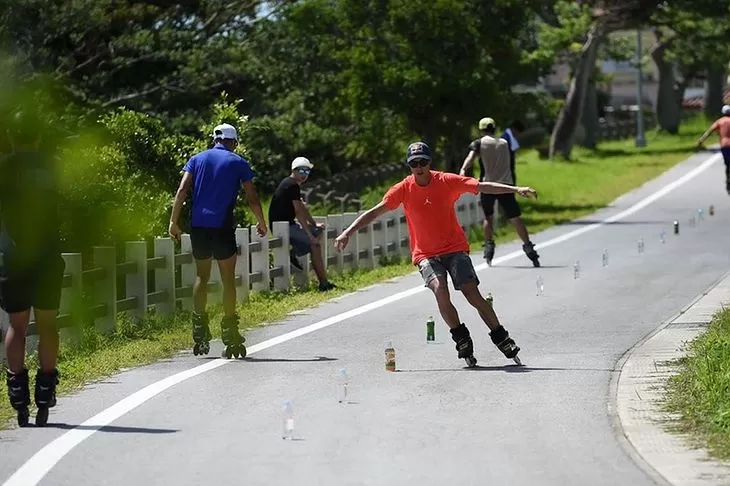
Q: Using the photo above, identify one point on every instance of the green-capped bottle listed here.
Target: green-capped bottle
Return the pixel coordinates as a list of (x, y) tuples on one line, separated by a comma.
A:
[(490, 299), (430, 331)]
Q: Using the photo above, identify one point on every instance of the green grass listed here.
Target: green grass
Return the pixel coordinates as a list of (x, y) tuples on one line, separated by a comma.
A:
[(567, 190), (699, 395)]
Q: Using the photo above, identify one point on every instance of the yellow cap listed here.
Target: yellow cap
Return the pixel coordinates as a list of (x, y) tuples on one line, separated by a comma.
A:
[(485, 122)]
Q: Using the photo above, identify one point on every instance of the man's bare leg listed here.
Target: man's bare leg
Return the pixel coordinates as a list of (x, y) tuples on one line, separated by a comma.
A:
[(499, 335), (201, 327), (227, 269), (443, 299), (17, 375)]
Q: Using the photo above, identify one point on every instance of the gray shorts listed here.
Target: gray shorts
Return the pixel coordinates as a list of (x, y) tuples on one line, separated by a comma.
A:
[(458, 265), (299, 240)]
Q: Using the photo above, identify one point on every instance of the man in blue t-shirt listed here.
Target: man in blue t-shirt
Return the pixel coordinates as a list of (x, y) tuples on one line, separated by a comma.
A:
[(215, 177)]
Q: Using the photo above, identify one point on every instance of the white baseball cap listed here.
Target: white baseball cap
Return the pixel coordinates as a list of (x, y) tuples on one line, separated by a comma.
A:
[(726, 110), (225, 131), (301, 162)]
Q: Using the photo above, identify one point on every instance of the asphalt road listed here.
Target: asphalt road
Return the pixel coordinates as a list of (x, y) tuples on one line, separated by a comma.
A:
[(432, 422)]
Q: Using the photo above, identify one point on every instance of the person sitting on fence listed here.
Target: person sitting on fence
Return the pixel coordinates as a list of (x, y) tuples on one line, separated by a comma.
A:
[(31, 266), (495, 166), (722, 126), (438, 243), (216, 176), (286, 205)]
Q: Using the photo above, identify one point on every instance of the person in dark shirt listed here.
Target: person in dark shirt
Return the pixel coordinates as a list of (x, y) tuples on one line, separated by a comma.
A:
[(31, 273), (215, 177), (287, 205)]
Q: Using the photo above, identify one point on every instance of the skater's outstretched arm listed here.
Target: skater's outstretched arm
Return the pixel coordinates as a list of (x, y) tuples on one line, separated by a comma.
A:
[(363, 220), (499, 188), (468, 162), (708, 132)]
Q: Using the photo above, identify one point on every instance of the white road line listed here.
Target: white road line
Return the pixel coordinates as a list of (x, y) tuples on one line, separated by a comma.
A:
[(30, 473)]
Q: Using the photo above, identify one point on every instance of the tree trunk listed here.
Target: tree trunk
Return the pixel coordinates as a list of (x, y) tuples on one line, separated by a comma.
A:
[(564, 130), (713, 92), (668, 107), (589, 119)]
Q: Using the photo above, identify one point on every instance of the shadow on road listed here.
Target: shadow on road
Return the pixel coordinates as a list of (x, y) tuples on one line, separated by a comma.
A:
[(111, 428), (316, 359), (505, 368), (610, 223)]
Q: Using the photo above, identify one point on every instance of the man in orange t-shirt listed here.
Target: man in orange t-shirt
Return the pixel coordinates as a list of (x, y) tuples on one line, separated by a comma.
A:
[(722, 126), (438, 243)]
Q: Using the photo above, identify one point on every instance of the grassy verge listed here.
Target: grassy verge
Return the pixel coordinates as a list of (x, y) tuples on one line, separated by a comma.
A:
[(567, 190), (699, 395)]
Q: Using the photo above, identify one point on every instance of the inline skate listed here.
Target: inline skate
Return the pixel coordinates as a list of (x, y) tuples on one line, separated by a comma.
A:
[(201, 333), (464, 344), (500, 338), (489, 248), (19, 395), (45, 394), (529, 249), (232, 338)]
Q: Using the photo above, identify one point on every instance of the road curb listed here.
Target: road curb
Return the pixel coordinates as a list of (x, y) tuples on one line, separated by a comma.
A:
[(638, 382)]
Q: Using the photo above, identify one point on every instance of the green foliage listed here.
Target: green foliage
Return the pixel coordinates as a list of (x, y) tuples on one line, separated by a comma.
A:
[(700, 393)]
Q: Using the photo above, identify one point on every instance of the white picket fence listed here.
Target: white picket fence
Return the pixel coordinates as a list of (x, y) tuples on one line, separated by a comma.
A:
[(262, 264)]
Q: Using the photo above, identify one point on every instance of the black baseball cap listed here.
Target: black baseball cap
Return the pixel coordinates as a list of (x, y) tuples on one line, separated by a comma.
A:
[(418, 150)]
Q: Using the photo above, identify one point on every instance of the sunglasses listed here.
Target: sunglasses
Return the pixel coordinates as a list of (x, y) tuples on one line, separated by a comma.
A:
[(304, 171), (418, 163)]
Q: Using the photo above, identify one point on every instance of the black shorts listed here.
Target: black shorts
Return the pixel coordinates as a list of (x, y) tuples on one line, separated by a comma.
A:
[(37, 285), (457, 265), (218, 243), (507, 202)]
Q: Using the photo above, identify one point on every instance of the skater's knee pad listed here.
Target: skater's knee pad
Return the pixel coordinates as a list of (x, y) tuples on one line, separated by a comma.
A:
[(498, 335), (460, 333)]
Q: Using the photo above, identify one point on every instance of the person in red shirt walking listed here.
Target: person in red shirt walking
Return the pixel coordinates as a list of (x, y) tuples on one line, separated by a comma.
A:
[(722, 127), (438, 243)]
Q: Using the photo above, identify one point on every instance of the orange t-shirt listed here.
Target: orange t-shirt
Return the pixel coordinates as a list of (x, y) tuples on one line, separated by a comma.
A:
[(430, 213)]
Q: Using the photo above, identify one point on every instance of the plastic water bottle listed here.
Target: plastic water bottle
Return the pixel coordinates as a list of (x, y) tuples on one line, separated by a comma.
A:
[(430, 329), (287, 412), (712, 210), (389, 357), (663, 237), (342, 398), (692, 222), (640, 245), (604, 258), (676, 227), (540, 285), (700, 214), (576, 270)]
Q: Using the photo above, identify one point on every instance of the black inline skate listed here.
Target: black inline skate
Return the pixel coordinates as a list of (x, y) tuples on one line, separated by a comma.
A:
[(232, 338), (19, 395), (45, 395), (500, 337), (529, 249), (489, 248), (201, 333), (464, 344)]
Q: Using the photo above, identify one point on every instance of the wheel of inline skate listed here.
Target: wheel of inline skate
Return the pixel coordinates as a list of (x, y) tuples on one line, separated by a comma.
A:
[(196, 349), (204, 348), (241, 351), (23, 417), (41, 417), (517, 360), (228, 352), (471, 361)]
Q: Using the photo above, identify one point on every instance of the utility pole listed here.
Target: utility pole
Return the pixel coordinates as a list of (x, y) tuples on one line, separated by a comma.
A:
[(640, 138)]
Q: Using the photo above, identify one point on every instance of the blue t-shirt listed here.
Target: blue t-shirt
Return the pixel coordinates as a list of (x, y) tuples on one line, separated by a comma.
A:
[(217, 177)]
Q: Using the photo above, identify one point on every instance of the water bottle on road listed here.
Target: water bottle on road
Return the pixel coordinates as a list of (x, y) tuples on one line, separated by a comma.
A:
[(430, 329), (389, 357), (287, 420)]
